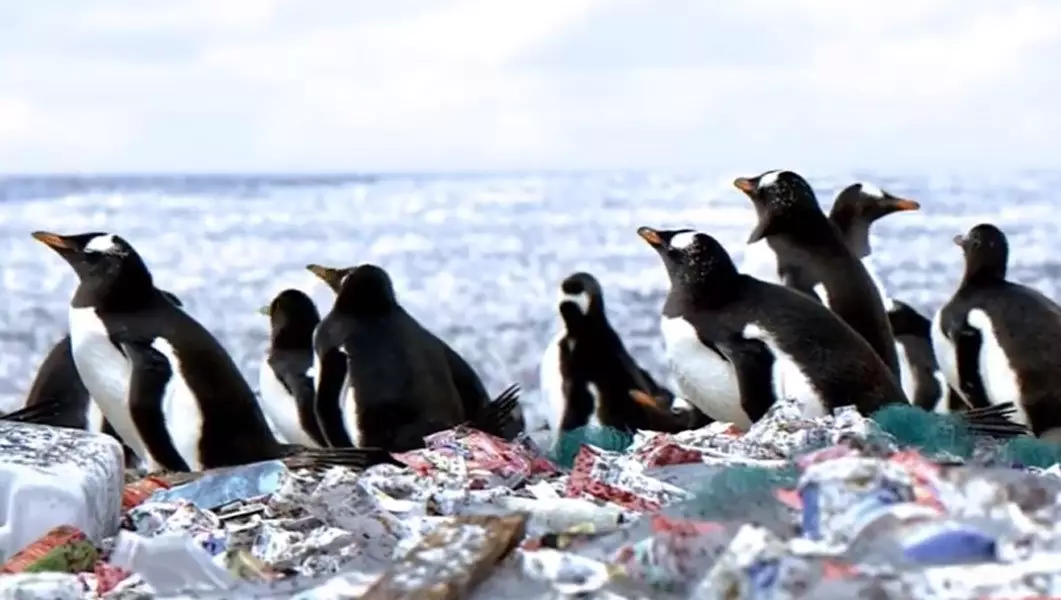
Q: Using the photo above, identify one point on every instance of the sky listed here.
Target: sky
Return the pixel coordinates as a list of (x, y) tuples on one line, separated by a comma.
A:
[(481, 85)]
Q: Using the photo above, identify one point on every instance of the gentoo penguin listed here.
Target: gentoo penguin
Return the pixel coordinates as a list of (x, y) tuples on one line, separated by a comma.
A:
[(813, 255), (924, 384), (501, 416), (58, 397), (998, 341), (736, 343), (285, 378), (170, 390), (381, 380), (587, 375)]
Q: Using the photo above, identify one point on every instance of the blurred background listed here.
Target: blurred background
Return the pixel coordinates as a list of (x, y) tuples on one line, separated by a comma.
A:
[(482, 150)]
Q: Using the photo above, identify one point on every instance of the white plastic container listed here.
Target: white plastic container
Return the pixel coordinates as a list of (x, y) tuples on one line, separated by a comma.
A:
[(52, 476)]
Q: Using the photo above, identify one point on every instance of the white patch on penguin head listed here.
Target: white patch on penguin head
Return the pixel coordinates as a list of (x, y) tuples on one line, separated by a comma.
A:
[(102, 243), (871, 190), (581, 300), (768, 179), (683, 240)]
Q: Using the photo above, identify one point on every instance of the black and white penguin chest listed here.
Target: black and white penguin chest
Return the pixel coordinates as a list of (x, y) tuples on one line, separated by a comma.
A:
[(286, 383), (141, 390)]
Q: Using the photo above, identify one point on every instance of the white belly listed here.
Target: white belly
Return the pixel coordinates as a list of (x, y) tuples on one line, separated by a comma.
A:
[(790, 381), (946, 354), (551, 386), (906, 372), (942, 407), (999, 378), (760, 262), (348, 406), (706, 380), (280, 408), (105, 373), (181, 411)]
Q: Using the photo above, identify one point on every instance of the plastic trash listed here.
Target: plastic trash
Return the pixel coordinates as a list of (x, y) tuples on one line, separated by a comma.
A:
[(169, 563), (225, 486), (52, 476)]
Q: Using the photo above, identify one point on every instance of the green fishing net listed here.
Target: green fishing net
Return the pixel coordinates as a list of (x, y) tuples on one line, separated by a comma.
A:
[(930, 433), (605, 438), (1028, 451)]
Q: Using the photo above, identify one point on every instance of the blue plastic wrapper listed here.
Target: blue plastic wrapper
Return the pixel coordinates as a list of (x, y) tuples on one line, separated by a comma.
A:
[(226, 486), (948, 543)]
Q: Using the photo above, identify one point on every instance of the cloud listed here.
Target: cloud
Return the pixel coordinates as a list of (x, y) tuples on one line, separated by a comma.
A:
[(252, 85)]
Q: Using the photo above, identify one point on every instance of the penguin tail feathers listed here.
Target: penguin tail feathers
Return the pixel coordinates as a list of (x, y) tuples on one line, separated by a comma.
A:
[(301, 457), (41, 413), (994, 421), (502, 417)]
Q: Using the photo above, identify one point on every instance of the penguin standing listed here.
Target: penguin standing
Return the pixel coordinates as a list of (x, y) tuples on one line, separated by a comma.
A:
[(998, 341), (58, 397), (854, 210), (382, 381), (737, 344), (814, 257), (589, 379), (285, 378), (501, 416), (163, 381)]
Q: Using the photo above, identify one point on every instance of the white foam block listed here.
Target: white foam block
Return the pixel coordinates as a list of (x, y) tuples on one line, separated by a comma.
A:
[(52, 476)]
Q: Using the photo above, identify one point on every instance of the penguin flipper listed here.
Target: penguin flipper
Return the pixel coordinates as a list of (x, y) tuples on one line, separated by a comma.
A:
[(503, 416), (994, 421), (469, 386), (296, 456), (40, 413), (967, 345), (327, 404), (150, 374), (753, 364)]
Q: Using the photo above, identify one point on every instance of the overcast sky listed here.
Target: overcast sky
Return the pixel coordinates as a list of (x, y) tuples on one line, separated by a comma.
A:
[(355, 85)]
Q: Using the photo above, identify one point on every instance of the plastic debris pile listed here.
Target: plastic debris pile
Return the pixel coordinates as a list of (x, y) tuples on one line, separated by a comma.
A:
[(794, 508)]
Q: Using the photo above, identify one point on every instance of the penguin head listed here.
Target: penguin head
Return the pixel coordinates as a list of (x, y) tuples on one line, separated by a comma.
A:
[(292, 307), (780, 198), (986, 252), (365, 290), (332, 276), (99, 259), (867, 202), (690, 256), (580, 296)]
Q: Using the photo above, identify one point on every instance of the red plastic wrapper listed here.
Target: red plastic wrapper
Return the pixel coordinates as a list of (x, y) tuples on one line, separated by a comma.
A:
[(662, 450), (137, 492), (825, 454), (600, 474), (486, 457)]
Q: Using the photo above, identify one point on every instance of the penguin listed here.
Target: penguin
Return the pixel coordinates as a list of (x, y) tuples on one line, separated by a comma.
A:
[(382, 380), (168, 387), (58, 397), (737, 344), (854, 210), (501, 416), (285, 379), (998, 341), (589, 379), (814, 257), (922, 381)]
